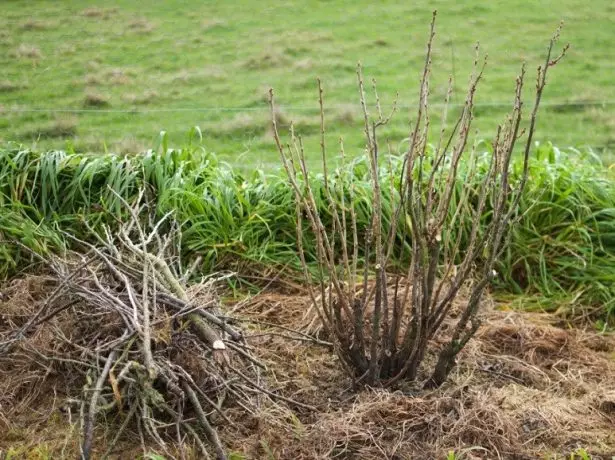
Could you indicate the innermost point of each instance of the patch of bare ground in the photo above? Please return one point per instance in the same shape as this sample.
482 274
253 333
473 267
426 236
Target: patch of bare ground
523 389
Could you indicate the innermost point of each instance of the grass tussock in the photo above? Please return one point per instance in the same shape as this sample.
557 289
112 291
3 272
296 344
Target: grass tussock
27 51
8 86
111 77
271 58
99 13
32 24
140 26
147 97
95 99
212 23
61 127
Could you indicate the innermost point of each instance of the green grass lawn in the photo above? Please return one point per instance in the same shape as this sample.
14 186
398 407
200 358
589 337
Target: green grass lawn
211 63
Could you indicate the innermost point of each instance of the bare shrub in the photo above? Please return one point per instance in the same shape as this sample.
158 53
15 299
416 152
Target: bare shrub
394 329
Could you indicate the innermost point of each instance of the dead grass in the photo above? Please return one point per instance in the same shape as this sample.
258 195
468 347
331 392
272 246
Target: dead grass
523 389
93 64
258 123
118 76
346 114
92 80
110 77
241 124
601 115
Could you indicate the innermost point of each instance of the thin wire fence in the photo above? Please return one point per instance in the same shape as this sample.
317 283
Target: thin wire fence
495 104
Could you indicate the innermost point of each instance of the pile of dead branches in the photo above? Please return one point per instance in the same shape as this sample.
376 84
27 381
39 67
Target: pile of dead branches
120 324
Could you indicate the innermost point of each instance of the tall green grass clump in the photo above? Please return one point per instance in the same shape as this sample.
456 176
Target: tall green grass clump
563 248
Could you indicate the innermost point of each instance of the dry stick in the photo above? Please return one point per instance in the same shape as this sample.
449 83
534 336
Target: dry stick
457 342
257 388
445 201
304 336
90 417
246 355
358 306
56 312
301 203
541 82
180 304
324 249
382 253
341 226
191 269
120 431
464 132
332 203
209 430
190 381
417 244
439 157
333 279
344 237
449 255
463 201
203 330
376 227
425 263
500 219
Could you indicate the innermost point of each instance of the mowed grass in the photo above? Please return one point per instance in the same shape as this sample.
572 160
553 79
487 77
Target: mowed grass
117 73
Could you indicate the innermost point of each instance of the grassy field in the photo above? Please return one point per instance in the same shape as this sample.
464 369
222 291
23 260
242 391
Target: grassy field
114 74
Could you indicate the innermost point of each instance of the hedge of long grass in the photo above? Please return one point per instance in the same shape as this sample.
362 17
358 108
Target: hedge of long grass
563 248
